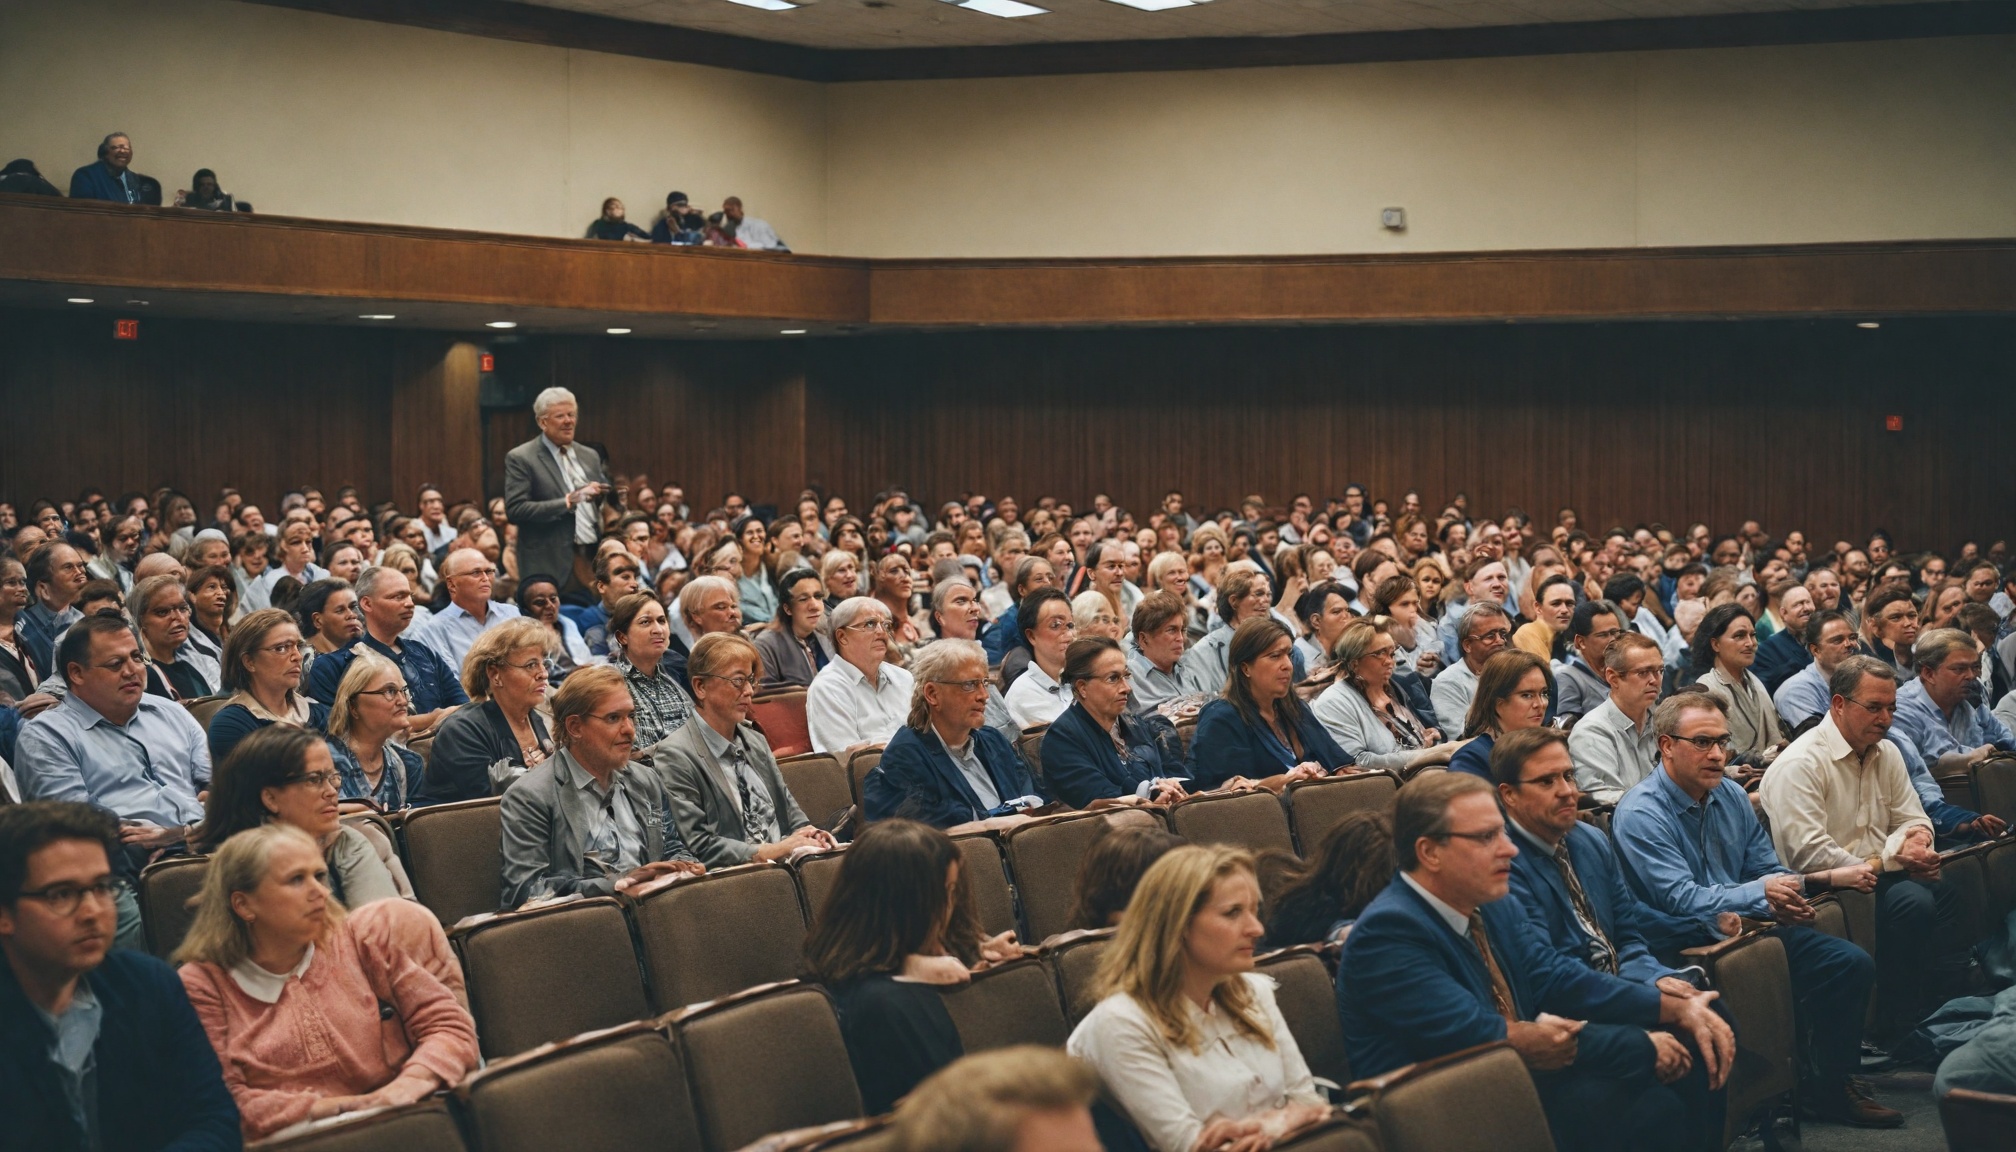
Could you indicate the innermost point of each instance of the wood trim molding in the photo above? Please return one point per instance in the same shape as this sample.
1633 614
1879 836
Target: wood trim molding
55 241
529 23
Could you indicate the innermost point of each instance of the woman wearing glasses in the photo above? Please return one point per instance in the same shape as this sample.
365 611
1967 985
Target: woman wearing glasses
1096 749
499 735
794 647
1038 694
727 794
1364 711
1513 688
262 671
1725 645
369 715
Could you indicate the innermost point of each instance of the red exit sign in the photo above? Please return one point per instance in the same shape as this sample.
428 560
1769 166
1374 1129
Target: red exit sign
486 362
126 329
1893 423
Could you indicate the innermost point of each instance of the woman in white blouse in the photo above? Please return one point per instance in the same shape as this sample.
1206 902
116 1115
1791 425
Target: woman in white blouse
1187 1036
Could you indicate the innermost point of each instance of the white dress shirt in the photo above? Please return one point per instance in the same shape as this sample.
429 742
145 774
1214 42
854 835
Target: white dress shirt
1035 698
438 537
1611 754
1830 808
756 233
586 522
453 630
1170 1091
844 708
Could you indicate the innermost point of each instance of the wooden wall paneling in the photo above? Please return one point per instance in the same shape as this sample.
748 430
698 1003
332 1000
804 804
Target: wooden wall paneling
435 428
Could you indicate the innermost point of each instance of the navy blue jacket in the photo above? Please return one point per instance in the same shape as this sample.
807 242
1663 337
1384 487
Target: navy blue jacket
159 1084
1225 746
918 781
1005 634
1539 889
432 683
1412 688
234 722
1778 657
95 181
1081 765
1410 989
1474 757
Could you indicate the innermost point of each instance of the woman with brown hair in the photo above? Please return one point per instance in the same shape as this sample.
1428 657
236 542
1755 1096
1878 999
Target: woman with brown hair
1352 864
1116 859
262 670
1259 727
1366 713
1514 690
898 925
213 601
640 633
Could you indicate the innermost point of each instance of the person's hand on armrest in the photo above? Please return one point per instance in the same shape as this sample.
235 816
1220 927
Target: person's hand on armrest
1546 1044
1710 1033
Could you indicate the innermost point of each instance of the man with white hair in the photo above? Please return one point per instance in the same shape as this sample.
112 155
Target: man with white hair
858 699
553 488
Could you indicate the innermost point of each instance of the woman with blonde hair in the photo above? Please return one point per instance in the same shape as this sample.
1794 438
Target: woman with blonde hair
499 735
365 723
1209 552
1186 1035
1430 581
315 1013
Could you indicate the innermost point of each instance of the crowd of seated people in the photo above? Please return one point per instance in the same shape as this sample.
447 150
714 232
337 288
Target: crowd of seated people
592 653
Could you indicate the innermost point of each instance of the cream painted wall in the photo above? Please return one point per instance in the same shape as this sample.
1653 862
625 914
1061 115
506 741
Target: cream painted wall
319 116
312 115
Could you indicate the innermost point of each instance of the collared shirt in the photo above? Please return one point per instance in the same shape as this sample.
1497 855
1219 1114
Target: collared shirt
1457 922
611 831
1611 754
1035 698
265 986
438 538
150 769
844 708
751 794
38 629
453 631
1830 808
1689 862
1152 686
575 477
72 1051
1803 695
662 705
262 588
967 758
755 233
1451 692
1922 729
394 790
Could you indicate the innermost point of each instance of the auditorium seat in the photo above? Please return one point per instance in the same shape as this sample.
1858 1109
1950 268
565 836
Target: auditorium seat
986 872
1966 872
1478 1098
548 973
1830 918
1995 787
817 872
859 765
1977 1121
1030 745
1307 997
166 887
765 1060
455 858
871 1134
203 708
423 1127
704 937
781 716
1073 958
1755 980
1043 856
617 1090
1316 806
1012 1003
1252 820
819 784
2000 868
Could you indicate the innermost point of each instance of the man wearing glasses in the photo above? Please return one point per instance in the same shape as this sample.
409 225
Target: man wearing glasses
1840 796
101 1048
1614 746
122 540
143 758
1441 961
1483 633
470 612
1701 863
858 699
1580 686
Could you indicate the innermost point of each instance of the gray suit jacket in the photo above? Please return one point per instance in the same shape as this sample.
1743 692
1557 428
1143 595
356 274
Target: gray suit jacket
545 833
535 499
703 795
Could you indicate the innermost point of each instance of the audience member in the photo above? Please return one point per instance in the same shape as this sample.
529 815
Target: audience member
1023 1098
262 671
617 574
553 488
213 607
1941 731
539 599
1243 594
385 597
956 614
1099 748
367 723
1038 695
1481 634
1484 582
1890 625
204 195
1115 860
611 225
56 575
727 793
1580 685
120 551
944 766
1802 699
1160 632
101 1048
1320 900
1614 746
1723 648
469 577
1259 727
22 178
749 231
587 821
20 670
707 604
1784 651
858 699
1512 694
328 616
176 667
112 177
1186 1037
479 750
1363 710
295 560
640 634
795 647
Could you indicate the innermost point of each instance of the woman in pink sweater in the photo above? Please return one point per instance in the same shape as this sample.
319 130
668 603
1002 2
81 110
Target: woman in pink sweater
292 991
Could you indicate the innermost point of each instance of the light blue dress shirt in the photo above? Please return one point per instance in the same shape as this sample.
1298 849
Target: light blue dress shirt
1689 862
150 769
1803 695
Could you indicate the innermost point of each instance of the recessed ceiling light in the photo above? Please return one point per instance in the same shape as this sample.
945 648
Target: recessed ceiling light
1157 5
82 300
619 331
138 303
1006 9
766 5
1868 324
377 316
792 332
501 324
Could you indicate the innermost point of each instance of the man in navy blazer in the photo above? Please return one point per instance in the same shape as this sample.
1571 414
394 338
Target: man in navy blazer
1441 961
946 766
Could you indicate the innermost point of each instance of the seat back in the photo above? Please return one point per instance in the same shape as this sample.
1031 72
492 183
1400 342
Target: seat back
1830 918
1043 856
1074 961
870 1134
1316 806
623 1088
423 1127
1250 820
2000 867
1030 745
1307 996
1858 912
1755 980
1013 1003
204 708
984 870
549 973
1995 787
767 1060
781 716
1480 1097
1967 874
859 765
705 937
1977 1121
819 784
817 874
1338 1134
166 888
455 858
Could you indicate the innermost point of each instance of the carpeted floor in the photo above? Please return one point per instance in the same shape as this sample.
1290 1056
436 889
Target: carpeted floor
1909 1090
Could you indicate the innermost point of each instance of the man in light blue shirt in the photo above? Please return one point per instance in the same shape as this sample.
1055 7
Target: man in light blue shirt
1805 695
1484 582
1941 732
470 613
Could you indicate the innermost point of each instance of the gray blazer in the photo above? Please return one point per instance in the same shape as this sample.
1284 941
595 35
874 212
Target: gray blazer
535 499
703 795
545 831
785 664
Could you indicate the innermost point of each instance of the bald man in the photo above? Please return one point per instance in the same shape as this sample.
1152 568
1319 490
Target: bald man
469 576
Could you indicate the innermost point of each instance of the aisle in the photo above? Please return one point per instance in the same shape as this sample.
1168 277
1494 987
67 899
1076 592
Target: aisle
1907 1090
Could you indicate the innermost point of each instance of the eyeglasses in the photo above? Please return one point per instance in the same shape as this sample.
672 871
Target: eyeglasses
1114 679
533 667
1653 672
1548 782
967 686
869 626
1499 635
618 717
63 899
1059 625
1606 635
284 648
1484 837
392 693
1875 709
739 683
1706 743
321 781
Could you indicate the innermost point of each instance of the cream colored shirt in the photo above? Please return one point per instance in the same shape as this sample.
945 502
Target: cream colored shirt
1830 808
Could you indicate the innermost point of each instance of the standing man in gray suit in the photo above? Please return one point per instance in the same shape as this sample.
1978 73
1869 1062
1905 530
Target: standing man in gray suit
553 488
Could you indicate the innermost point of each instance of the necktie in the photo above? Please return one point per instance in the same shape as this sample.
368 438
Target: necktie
1602 953
1501 990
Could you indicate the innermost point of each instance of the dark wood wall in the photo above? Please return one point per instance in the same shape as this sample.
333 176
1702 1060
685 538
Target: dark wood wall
1780 420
